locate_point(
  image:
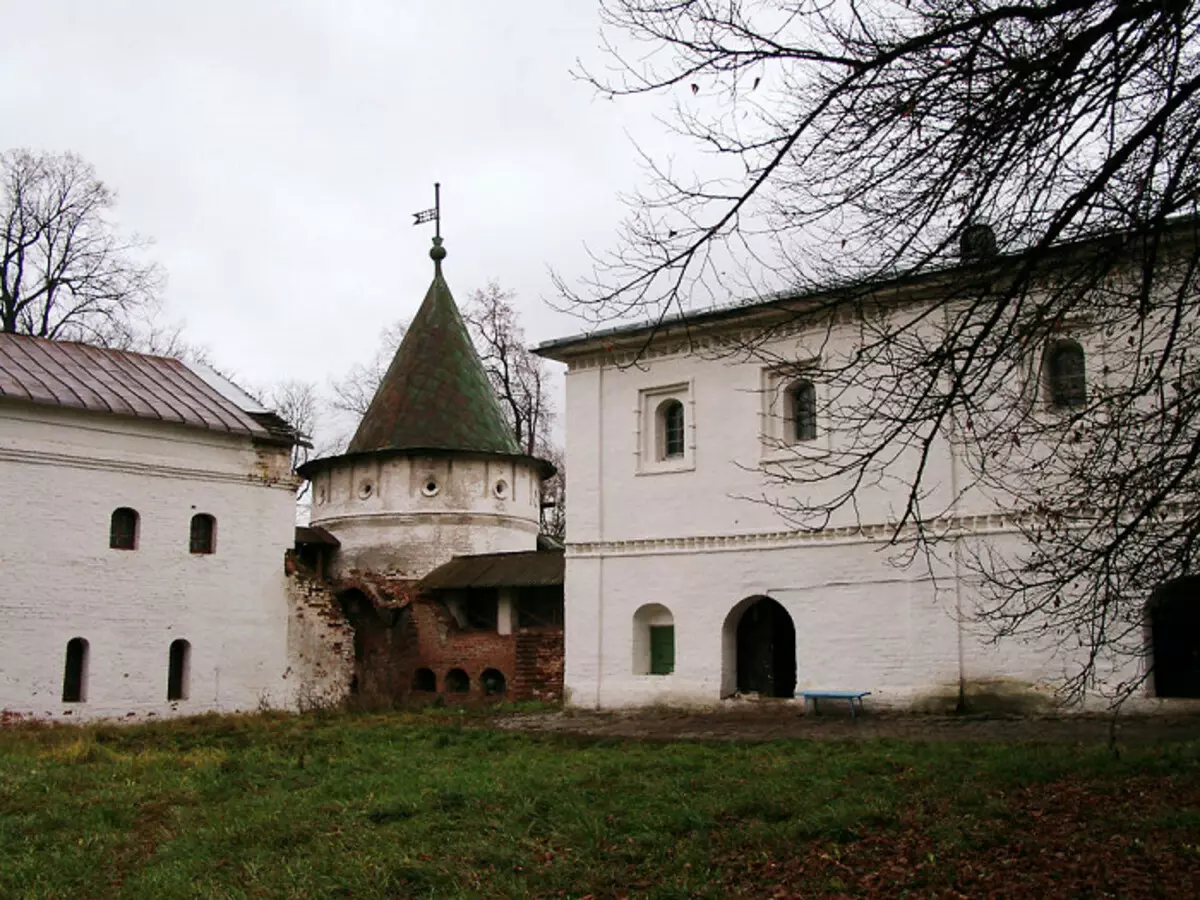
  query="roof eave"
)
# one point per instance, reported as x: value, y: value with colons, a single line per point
x: 545, y: 468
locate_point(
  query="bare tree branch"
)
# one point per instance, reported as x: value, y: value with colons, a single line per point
x: 853, y: 148
x: 65, y: 273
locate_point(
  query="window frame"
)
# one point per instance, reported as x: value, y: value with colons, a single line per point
x: 650, y: 431
x: 793, y: 419
x: 132, y: 534
x: 179, y: 670
x: 79, y: 682
x: 648, y: 620
x: 777, y: 434
x: 670, y: 436
x: 210, y: 546
x: 1064, y: 391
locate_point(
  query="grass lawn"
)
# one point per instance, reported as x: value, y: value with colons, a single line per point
x: 433, y: 805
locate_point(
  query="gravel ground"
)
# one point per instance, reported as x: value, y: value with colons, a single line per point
x: 769, y: 721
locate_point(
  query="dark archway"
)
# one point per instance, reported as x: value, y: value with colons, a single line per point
x: 425, y: 681
x: 766, y: 650
x: 494, y: 683
x: 457, y: 682
x: 1174, y: 613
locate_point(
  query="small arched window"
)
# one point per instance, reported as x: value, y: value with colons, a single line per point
x: 494, y: 683
x: 123, y: 529
x: 457, y: 682
x: 424, y: 680
x: 653, y: 640
x: 802, y: 410
x: 1066, y: 374
x: 75, y: 672
x: 670, y: 429
x: 179, y: 670
x: 203, y: 534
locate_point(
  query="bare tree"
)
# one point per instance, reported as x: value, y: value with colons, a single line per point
x: 519, y: 378
x: 353, y: 392
x: 65, y: 273
x: 297, y: 403
x: 517, y: 375
x: 857, y: 147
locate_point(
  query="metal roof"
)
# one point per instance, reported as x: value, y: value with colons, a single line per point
x: 121, y: 382
x: 436, y: 392
x: 531, y: 568
x: 315, y: 534
x: 789, y: 302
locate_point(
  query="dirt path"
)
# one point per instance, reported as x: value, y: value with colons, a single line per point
x: 771, y: 721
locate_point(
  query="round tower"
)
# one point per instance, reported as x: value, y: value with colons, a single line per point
x: 433, y: 470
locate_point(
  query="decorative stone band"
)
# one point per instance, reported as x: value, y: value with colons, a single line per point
x: 949, y: 527
x: 447, y: 517
x: 42, y: 458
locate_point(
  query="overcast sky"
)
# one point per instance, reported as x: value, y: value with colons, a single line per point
x: 274, y: 151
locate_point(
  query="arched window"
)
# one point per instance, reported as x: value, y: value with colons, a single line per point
x: 123, y: 529
x: 204, y: 534
x: 1066, y: 374
x: 653, y: 640
x: 457, y: 682
x: 75, y: 672
x: 424, y: 680
x: 179, y: 670
x: 802, y: 410
x: 493, y: 681
x: 670, y: 429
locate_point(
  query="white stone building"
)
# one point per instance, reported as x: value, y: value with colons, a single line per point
x: 685, y: 586
x: 147, y: 509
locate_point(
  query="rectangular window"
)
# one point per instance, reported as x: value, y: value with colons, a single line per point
x: 666, y: 429
x: 540, y: 607
x: 662, y: 649
x: 481, y: 609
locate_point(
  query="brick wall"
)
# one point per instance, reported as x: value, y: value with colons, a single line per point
x: 538, y: 673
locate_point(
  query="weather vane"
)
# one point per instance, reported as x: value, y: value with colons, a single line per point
x: 434, y: 213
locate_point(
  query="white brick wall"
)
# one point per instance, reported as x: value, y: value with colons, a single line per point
x: 700, y: 541
x: 377, y: 507
x: 63, y: 473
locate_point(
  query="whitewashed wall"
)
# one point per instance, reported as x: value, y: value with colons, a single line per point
x: 695, y: 536
x: 388, y: 519
x: 62, y: 473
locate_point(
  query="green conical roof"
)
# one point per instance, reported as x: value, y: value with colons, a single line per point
x: 435, y: 394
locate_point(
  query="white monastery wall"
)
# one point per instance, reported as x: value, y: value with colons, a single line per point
x: 695, y: 536
x: 714, y: 488
x: 63, y: 474
x: 432, y: 508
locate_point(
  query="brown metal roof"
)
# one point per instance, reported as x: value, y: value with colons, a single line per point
x: 531, y: 568
x: 315, y: 534
x: 80, y: 376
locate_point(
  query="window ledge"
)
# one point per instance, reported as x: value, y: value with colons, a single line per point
x: 667, y: 468
x: 795, y: 453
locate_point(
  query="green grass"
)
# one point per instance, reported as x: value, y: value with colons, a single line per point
x: 433, y: 805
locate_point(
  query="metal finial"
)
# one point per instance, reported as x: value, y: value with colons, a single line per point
x: 434, y: 214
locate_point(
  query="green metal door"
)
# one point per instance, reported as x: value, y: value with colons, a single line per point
x: 662, y: 649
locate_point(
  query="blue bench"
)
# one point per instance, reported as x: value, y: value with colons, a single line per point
x: 816, y: 696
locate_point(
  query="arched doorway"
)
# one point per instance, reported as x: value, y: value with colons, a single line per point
x: 1174, y: 613
x: 760, y: 649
